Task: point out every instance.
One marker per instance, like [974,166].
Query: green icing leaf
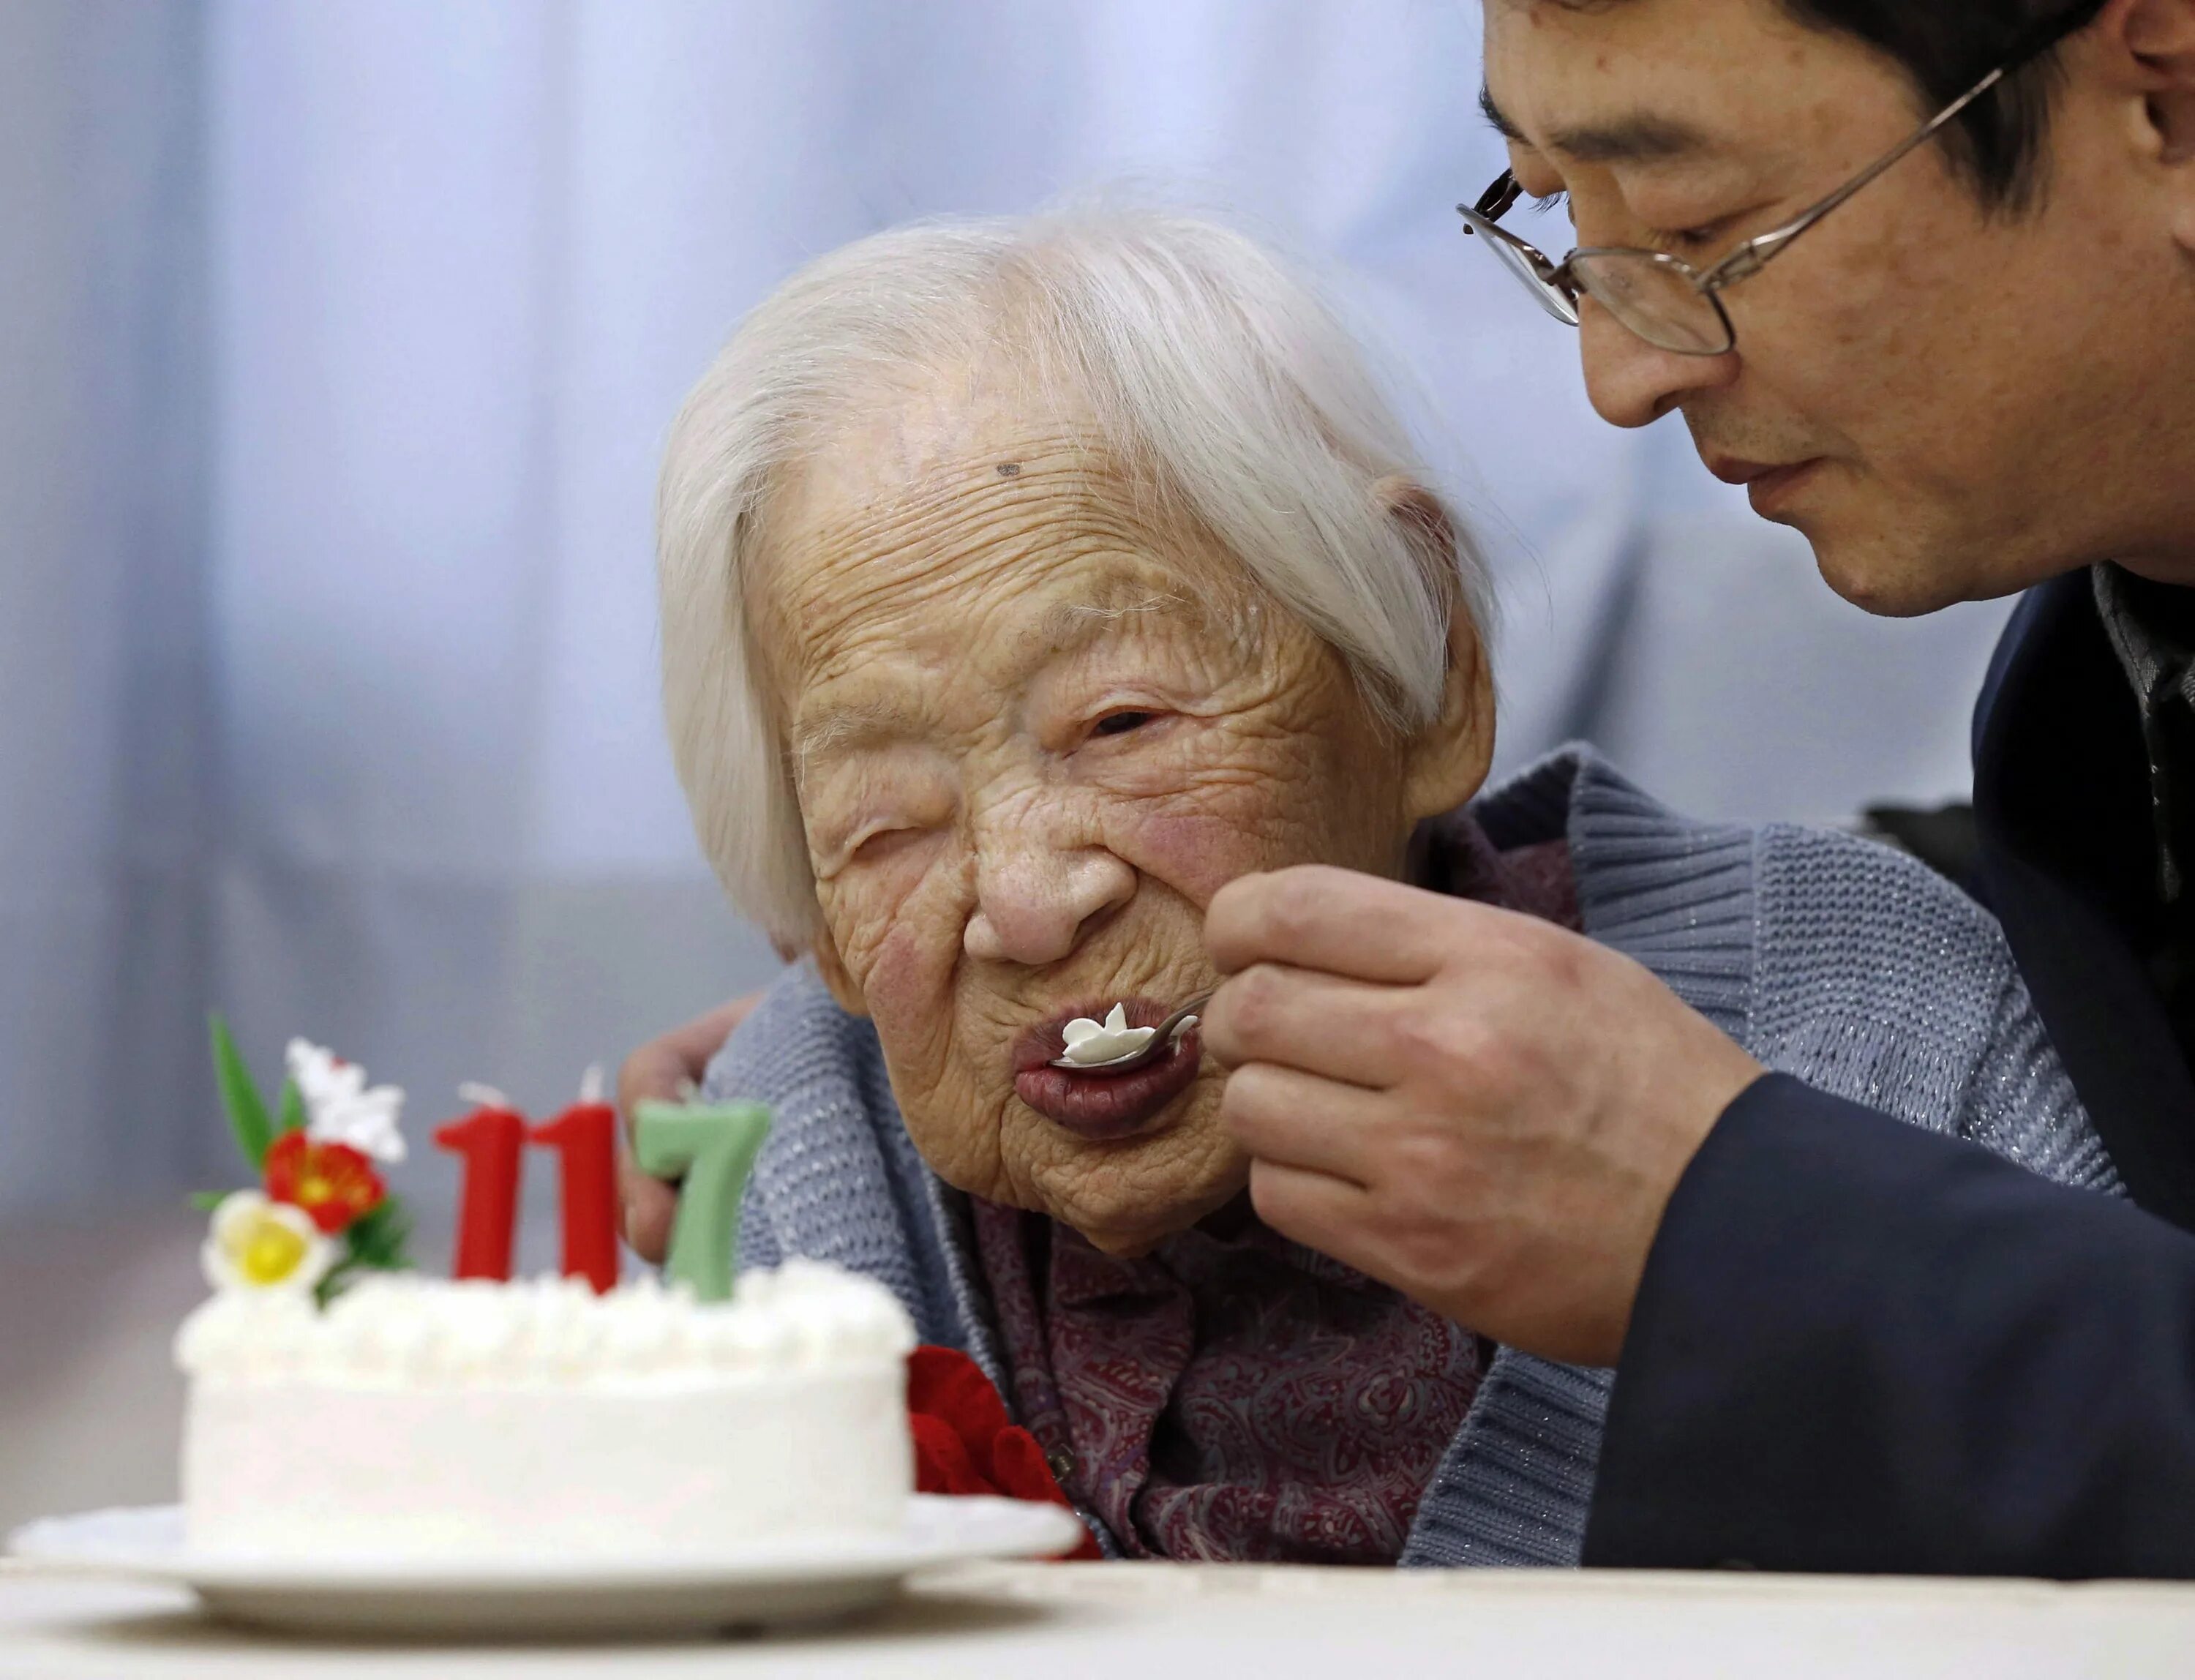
[247,1114]
[375,1240]
[292,1109]
[205,1201]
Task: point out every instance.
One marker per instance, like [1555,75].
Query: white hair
[1209,366]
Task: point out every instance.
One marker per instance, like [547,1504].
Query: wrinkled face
[1949,404]
[1034,728]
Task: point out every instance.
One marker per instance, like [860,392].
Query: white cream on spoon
[1089,1042]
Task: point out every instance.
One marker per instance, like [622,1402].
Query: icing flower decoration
[332,1183]
[339,1108]
[314,1152]
[259,1244]
[1089,1041]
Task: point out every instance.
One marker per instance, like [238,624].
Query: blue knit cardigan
[1841,961]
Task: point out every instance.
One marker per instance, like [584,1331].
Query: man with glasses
[1921,276]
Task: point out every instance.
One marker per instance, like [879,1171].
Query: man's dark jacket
[1859,1346]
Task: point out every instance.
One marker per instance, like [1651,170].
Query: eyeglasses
[1664,299]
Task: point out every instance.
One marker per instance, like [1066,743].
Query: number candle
[584,1138]
[488,1140]
[714,1146]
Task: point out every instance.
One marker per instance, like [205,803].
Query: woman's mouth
[1100,1105]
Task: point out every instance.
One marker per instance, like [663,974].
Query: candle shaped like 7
[490,1141]
[584,1138]
[713,1146]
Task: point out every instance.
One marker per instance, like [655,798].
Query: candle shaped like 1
[713,1146]
[584,1138]
[490,1140]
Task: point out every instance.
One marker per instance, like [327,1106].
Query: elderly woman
[1023,583]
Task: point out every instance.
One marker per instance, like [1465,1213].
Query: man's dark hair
[1947,46]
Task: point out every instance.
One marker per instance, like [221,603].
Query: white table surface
[1145,1621]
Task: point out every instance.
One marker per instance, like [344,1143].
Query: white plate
[546,1597]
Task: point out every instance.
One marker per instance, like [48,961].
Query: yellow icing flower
[258,1243]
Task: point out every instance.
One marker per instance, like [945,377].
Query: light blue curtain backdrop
[336,342]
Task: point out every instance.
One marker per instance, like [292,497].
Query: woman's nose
[1032,906]
[1631,382]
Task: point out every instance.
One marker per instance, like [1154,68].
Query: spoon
[1160,1040]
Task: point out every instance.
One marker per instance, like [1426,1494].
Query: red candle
[489,1139]
[584,1138]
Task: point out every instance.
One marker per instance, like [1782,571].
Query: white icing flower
[255,1244]
[1090,1042]
[338,1106]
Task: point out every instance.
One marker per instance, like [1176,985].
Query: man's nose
[1033,904]
[1631,382]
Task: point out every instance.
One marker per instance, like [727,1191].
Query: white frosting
[420,1418]
[399,1330]
[1090,1042]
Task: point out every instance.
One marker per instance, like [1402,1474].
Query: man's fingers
[1302,1018]
[650,1206]
[655,1072]
[1315,916]
[1298,1119]
[659,1070]
[1318,1210]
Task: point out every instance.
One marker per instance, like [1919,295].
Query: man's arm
[1859,1346]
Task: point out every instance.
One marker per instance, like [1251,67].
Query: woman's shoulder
[1879,979]
[1836,958]
[795,1036]
[1821,913]
[1850,926]
[820,1072]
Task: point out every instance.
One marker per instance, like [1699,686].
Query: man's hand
[1479,1108]
[659,1070]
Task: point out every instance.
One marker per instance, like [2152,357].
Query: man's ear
[828,964]
[1446,762]
[2154,42]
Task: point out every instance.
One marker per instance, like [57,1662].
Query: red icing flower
[332,1182]
[964,1442]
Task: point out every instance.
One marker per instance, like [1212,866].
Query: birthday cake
[341,1404]
[425,1417]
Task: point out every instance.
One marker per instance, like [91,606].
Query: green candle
[712,1146]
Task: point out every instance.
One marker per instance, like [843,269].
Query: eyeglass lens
[1555,301]
[1655,299]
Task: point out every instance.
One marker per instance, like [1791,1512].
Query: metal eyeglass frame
[1558,281]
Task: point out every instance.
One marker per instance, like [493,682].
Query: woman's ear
[825,955]
[1446,762]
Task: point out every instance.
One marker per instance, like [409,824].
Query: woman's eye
[1120,723]
[873,848]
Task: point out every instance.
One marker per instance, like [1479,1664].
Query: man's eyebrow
[1495,114]
[1642,137]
